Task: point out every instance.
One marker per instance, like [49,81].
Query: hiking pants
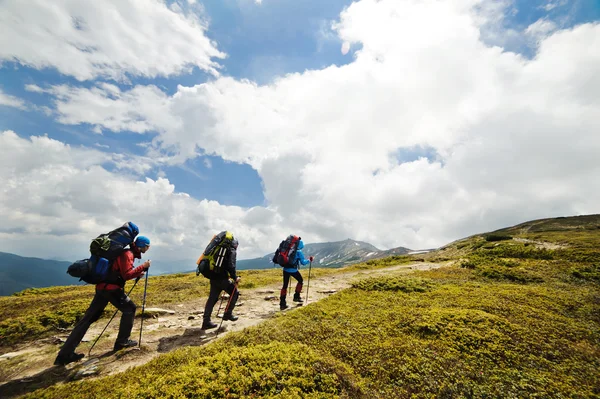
[286,281]
[216,286]
[120,300]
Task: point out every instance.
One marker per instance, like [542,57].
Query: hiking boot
[129,344]
[297,297]
[64,360]
[282,304]
[207,325]
[230,317]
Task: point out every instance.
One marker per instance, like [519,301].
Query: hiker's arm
[231,263]
[128,272]
[301,258]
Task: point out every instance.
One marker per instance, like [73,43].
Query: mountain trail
[171,326]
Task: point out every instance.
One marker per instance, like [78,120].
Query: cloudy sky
[397,122]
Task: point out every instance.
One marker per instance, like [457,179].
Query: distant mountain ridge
[330,254]
[18,273]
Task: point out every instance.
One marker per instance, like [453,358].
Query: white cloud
[109,38]
[34,88]
[56,195]
[141,109]
[540,29]
[345,48]
[517,139]
[207,163]
[11,101]
[551,5]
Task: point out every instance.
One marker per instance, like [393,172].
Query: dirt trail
[30,366]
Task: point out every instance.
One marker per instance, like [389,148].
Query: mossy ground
[507,321]
[39,312]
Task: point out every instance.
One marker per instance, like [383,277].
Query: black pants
[216,286]
[286,281]
[120,300]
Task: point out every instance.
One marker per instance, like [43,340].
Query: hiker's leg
[228,286]
[92,314]
[298,289]
[286,281]
[213,297]
[121,301]
[283,293]
[299,280]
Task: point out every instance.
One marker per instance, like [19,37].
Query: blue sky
[246,174]
[262,41]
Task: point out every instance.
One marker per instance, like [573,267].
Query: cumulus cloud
[54,194]
[11,101]
[108,39]
[514,138]
[139,110]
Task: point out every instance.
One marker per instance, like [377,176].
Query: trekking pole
[227,307]
[220,304]
[143,307]
[113,316]
[308,284]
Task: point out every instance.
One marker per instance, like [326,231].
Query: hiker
[291,270]
[110,291]
[219,278]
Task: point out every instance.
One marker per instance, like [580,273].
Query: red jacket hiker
[110,293]
[124,264]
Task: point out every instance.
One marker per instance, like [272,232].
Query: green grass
[40,312]
[382,263]
[507,320]
[459,336]
[269,370]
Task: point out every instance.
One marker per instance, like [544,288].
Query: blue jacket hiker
[292,271]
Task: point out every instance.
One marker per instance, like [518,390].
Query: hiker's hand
[237,280]
[310,258]
[146,265]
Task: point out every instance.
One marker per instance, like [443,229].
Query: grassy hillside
[18,273]
[517,316]
[39,312]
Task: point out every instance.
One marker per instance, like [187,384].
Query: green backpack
[211,261]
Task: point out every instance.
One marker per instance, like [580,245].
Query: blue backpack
[104,250]
[94,270]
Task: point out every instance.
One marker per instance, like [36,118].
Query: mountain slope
[330,254]
[513,314]
[18,273]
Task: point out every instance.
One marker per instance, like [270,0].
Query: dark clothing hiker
[219,281]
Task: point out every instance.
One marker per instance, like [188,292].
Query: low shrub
[587,272]
[497,237]
[265,370]
[404,284]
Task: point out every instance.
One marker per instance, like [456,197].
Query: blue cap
[142,241]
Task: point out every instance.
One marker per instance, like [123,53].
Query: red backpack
[286,253]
